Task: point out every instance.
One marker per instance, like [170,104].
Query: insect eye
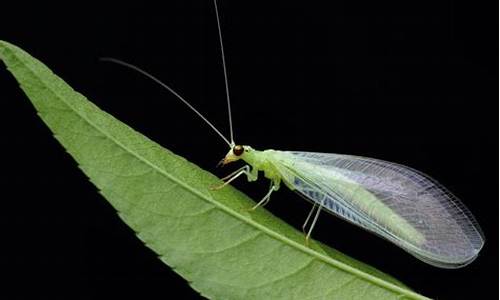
[238,150]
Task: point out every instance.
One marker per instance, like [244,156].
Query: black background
[414,84]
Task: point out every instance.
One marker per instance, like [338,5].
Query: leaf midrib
[338,264]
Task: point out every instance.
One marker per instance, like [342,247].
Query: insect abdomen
[331,189]
[369,203]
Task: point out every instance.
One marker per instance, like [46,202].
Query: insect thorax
[262,161]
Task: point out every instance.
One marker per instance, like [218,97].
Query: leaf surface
[208,237]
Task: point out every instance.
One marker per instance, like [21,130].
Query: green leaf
[209,237]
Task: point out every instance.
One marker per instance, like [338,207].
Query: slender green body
[281,166]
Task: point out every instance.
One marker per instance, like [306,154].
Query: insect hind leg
[308,234]
[307,219]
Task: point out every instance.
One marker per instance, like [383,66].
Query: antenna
[225,74]
[130,66]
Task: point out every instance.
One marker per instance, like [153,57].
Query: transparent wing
[396,202]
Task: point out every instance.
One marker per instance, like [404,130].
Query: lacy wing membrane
[396,202]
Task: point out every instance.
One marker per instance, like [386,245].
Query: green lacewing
[393,201]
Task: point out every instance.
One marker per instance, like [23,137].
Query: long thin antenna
[225,74]
[117,61]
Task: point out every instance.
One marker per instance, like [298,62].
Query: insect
[395,202]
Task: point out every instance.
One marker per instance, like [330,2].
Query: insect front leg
[236,173]
[229,178]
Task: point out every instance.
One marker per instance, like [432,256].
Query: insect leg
[307,219]
[234,173]
[232,176]
[313,223]
[266,198]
